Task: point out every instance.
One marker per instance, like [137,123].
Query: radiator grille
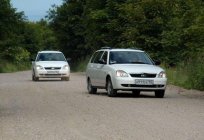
[143,75]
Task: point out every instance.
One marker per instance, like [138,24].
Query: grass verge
[189,75]
[6,67]
[80,65]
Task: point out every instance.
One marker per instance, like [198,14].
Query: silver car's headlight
[38,67]
[65,67]
[162,75]
[121,73]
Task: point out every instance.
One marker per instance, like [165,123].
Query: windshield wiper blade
[138,62]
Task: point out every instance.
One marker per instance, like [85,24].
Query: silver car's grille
[52,68]
[143,75]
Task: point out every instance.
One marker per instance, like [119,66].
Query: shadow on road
[125,95]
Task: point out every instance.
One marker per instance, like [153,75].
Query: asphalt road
[61,110]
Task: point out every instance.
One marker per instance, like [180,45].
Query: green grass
[80,65]
[7,67]
[189,75]
[178,77]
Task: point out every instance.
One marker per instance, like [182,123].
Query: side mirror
[157,62]
[101,61]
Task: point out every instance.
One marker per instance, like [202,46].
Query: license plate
[144,82]
[52,72]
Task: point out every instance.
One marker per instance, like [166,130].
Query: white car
[124,69]
[50,64]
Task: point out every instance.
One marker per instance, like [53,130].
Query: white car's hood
[51,63]
[137,68]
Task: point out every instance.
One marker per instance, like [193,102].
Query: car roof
[119,49]
[49,52]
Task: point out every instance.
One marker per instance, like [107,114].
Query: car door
[101,69]
[93,67]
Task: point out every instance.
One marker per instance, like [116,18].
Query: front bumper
[52,73]
[129,83]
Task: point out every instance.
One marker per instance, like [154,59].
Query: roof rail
[106,47]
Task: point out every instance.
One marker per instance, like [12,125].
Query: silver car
[50,64]
[124,69]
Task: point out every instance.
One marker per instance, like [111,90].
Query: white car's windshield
[129,57]
[50,57]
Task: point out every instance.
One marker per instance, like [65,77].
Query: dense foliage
[169,30]
[20,39]
[161,27]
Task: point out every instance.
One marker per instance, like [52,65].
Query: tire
[110,91]
[34,78]
[65,78]
[159,93]
[90,88]
[136,93]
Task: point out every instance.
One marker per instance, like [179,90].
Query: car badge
[142,75]
[52,68]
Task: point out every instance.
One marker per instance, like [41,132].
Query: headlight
[38,67]
[65,67]
[162,75]
[121,73]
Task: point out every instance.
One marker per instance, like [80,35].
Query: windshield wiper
[138,62]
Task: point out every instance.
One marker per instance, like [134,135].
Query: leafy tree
[67,23]
[11,37]
[38,36]
[161,27]
[20,39]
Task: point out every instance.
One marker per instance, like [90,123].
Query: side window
[98,57]
[40,57]
[94,56]
[105,55]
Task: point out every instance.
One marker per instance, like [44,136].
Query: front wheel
[90,88]
[136,93]
[34,78]
[111,92]
[65,78]
[159,93]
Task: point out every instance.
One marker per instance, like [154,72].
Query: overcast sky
[34,9]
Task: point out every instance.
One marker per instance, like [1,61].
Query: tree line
[169,30]
[20,39]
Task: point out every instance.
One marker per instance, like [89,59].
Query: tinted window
[98,57]
[104,57]
[129,57]
[50,57]
[94,56]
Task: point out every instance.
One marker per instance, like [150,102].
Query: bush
[177,76]
[196,72]
[188,75]
[80,65]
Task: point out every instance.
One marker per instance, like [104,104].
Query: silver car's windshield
[50,57]
[129,57]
